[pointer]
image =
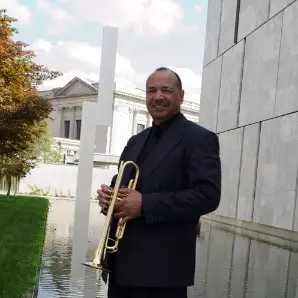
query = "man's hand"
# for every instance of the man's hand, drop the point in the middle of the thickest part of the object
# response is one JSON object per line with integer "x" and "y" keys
{"x": 129, "y": 207}
{"x": 103, "y": 198}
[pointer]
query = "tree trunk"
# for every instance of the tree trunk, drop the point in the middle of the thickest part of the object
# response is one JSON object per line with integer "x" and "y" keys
{"x": 8, "y": 185}
{"x": 17, "y": 184}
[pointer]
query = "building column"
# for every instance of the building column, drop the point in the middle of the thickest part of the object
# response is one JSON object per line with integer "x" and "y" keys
{"x": 101, "y": 139}
{"x": 72, "y": 124}
{"x": 61, "y": 127}
{"x": 134, "y": 121}
{"x": 111, "y": 130}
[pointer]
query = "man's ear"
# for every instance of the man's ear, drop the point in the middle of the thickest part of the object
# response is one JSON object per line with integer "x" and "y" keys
{"x": 181, "y": 96}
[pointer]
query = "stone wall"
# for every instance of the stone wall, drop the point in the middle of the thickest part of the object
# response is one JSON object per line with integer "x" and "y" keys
{"x": 250, "y": 98}
{"x": 61, "y": 180}
{"x": 236, "y": 265}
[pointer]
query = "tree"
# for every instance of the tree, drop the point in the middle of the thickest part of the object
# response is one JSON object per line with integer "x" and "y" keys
{"x": 47, "y": 149}
{"x": 16, "y": 167}
{"x": 22, "y": 111}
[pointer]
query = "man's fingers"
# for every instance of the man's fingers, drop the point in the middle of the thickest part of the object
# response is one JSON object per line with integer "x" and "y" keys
{"x": 99, "y": 191}
{"x": 101, "y": 194}
{"x": 120, "y": 214}
{"x": 103, "y": 199}
{"x": 104, "y": 210}
{"x": 124, "y": 220}
{"x": 104, "y": 189}
{"x": 126, "y": 191}
{"x": 119, "y": 204}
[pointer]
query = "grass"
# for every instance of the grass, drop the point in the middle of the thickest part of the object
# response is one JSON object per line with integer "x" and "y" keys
{"x": 22, "y": 229}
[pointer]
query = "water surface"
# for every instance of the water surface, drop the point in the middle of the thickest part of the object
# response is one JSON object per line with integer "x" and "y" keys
{"x": 228, "y": 264}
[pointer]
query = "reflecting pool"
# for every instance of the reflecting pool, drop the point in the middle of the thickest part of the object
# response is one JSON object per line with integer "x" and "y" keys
{"x": 229, "y": 264}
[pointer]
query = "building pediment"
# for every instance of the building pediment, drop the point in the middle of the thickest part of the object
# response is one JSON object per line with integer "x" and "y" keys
{"x": 76, "y": 86}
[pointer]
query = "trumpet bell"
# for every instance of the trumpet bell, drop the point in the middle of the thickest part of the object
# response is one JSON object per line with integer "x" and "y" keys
{"x": 103, "y": 246}
{"x": 96, "y": 266}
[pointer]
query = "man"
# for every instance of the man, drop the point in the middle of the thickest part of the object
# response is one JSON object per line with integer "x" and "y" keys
{"x": 180, "y": 180}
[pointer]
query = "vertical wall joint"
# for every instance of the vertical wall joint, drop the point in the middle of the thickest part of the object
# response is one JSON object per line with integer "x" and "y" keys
{"x": 237, "y": 21}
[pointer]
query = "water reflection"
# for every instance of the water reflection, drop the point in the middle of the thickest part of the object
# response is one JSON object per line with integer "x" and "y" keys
{"x": 56, "y": 273}
{"x": 228, "y": 264}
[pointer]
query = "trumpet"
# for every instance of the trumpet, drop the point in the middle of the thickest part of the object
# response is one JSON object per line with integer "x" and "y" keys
{"x": 103, "y": 248}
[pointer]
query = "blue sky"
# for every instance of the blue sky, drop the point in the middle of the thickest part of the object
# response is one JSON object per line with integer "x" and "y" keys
{"x": 66, "y": 36}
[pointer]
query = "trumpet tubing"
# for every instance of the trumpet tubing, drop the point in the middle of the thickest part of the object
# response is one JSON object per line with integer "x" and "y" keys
{"x": 103, "y": 248}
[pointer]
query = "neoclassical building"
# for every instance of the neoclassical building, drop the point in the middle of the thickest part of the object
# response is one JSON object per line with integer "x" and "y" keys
{"x": 130, "y": 116}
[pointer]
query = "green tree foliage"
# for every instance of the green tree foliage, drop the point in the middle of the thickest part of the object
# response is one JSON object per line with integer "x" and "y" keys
{"x": 47, "y": 149}
{"x": 22, "y": 111}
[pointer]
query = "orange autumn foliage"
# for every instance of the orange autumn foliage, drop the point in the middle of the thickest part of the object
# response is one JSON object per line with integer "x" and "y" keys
{"x": 22, "y": 111}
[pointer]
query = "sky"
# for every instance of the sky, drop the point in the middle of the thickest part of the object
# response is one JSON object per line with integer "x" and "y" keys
{"x": 66, "y": 35}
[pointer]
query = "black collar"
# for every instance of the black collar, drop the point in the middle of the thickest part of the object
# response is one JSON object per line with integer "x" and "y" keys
{"x": 159, "y": 130}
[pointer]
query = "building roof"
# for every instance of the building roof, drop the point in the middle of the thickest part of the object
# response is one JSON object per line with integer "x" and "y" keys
{"x": 89, "y": 87}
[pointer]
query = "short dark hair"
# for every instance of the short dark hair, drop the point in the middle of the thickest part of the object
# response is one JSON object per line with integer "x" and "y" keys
{"x": 179, "y": 82}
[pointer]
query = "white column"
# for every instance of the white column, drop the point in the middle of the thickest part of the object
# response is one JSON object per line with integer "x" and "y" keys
{"x": 61, "y": 126}
{"x": 111, "y": 130}
{"x": 106, "y": 87}
{"x": 94, "y": 115}
{"x": 134, "y": 121}
{"x": 72, "y": 123}
{"x": 83, "y": 194}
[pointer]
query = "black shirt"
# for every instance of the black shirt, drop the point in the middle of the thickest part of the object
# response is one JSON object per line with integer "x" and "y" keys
{"x": 156, "y": 133}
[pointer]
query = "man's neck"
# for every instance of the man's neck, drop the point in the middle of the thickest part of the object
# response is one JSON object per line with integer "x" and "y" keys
{"x": 157, "y": 122}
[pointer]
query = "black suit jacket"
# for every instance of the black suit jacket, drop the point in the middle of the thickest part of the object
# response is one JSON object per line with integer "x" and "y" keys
{"x": 181, "y": 181}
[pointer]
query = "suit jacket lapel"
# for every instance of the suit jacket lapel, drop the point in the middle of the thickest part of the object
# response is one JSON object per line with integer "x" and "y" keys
{"x": 133, "y": 154}
{"x": 168, "y": 141}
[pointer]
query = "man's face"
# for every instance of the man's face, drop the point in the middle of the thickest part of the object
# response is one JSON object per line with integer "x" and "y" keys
{"x": 163, "y": 97}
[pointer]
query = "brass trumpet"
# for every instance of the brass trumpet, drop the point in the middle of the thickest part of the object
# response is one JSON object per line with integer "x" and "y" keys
{"x": 102, "y": 248}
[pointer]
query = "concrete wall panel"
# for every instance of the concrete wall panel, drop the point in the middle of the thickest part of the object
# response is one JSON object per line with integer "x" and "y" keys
{"x": 219, "y": 275}
{"x": 296, "y": 211}
{"x": 61, "y": 180}
{"x": 293, "y": 273}
{"x": 230, "y": 88}
{"x": 253, "y": 13}
{"x": 276, "y": 187}
{"x": 260, "y": 181}
{"x": 248, "y": 172}
{"x": 227, "y": 25}
{"x": 212, "y": 30}
{"x": 295, "y": 228}
{"x": 210, "y": 94}
{"x": 277, "y": 5}
{"x": 260, "y": 73}
{"x": 257, "y": 270}
{"x": 202, "y": 254}
{"x": 287, "y": 87}
{"x": 239, "y": 267}
{"x": 231, "y": 147}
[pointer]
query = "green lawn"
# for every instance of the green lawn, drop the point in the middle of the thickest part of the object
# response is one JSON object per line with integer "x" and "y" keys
{"x": 22, "y": 229}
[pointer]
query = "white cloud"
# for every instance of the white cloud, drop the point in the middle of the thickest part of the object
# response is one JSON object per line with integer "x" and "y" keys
{"x": 79, "y": 59}
{"x": 199, "y": 7}
{"x": 17, "y": 10}
{"x": 189, "y": 78}
{"x": 66, "y": 77}
{"x": 60, "y": 20}
{"x": 191, "y": 83}
{"x": 83, "y": 60}
{"x": 42, "y": 44}
{"x": 153, "y": 17}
